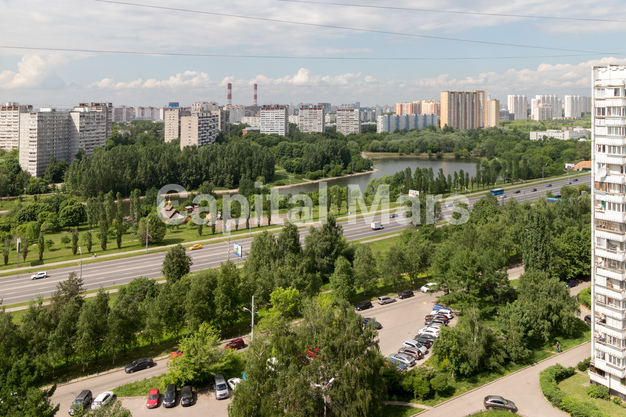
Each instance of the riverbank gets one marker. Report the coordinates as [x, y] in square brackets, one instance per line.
[356, 174]
[433, 157]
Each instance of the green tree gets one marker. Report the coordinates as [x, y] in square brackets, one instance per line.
[65, 239]
[176, 264]
[72, 215]
[227, 298]
[200, 299]
[365, 270]
[538, 243]
[70, 289]
[120, 228]
[93, 326]
[342, 280]
[394, 265]
[41, 245]
[88, 240]
[24, 247]
[6, 250]
[32, 401]
[104, 233]
[63, 339]
[285, 302]
[288, 241]
[74, 241]
[323, 245]
[156, 229]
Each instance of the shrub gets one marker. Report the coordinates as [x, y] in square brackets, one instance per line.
[580, 409]
[584, 297]
[617, 401]
[549, 379]
[583, 365]
[598, 391]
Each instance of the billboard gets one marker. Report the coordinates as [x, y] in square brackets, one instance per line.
[570, 166]
[238, 250]
[413, 193]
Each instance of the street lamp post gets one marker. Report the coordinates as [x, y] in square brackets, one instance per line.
[81, 262]
[147, 232]
[252, 314]
[324, 389]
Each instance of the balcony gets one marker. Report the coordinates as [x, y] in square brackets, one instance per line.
[614, 254]
[610, 311]
[611, 291]
[611, 158]
[603, 346]
[611, 197]
[613, 216]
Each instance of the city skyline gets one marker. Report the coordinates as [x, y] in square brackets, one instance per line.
[299, 51]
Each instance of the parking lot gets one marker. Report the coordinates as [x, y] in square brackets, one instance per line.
[206, 406]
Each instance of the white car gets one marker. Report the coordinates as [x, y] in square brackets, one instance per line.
[415, 345]
[42, 274]
[447, 313]
[385, 299]
[102, 400]
[430, 330]
[428, 287]
[403, 358]
[232, 383]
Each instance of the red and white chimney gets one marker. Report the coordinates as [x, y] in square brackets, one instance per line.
[230, 95]
[255, 102]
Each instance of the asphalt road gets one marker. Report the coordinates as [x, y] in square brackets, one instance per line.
[20, 288]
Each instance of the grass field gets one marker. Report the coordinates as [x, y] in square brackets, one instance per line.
[576, 386]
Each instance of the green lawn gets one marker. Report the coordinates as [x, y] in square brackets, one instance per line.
[493, 413]
[576, 386]
[400, 411]
[140, 388]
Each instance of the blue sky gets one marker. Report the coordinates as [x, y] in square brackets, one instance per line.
[85, 28]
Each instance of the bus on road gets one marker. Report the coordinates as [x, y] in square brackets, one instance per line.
[497, 191]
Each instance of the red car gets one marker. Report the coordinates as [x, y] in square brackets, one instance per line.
[176, 354]
[153, 398]
[313, 353]
[235, 344]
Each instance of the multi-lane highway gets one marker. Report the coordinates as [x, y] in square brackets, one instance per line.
[16, 289]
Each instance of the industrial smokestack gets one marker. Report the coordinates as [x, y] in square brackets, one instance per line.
[230, 95]
[255, 102]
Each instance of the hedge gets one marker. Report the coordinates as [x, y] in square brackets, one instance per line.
[584, 297]
[549, 379]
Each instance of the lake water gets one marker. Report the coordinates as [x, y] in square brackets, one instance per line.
[390, 166]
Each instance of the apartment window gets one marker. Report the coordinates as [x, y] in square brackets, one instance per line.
[615, 361]
[600, 93]
[617, 92]
[600, 111]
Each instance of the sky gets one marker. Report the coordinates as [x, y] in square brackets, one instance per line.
[148, 53]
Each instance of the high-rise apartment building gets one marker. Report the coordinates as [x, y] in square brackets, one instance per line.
[493, 113]
[348, 121]
[464, 109]
[546, 107]
[518, 106]
[608, 229]
[311, 119]
[171, 117]
[106, 109]
[408, 108]
[147, 113]
[430, 107]
[576, 106]
[199, 129]
[223, 116]
[274, 120]
[88, 131]
[123, 114]
[10, 125]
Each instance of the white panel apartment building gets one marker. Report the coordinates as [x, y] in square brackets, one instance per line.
[274, 120]
[608, 232]
[518, 106]
[546, 107]
[575, 106]
[199, 129]
[171, 117]
[348, 121]
[10, 125]
[311, 119]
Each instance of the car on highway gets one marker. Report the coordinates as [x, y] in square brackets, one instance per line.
[428, 287]
[186, 396]
[176, 354]
[517, 191]
[405, 294]
[370, 321]
[496, 402]
[571, 283]
[235, 344]
[411, 351]
[195, 247]
[232, 383]
[403, 358]
[503, 195]
[221, 389]
[153, 398]
[534, 189]
[169, 399]
[549, 185]
[385, 299]
[103, 399]
[569, 183]
[393, 215]
[139, 364]
[38, 275]
[575, 180]
[363, 305]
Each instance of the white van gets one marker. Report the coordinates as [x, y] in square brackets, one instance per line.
[221, 389]
[377, 226]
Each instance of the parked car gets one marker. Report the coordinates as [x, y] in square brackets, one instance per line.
[587, 319]
[436, 325]
[81, 402]
[429, 330]
[534, 189]
[385, 299]
[425, 340]
[38, 275]
[443, 312]
[153, 398]
[232, 383]
[571, 283]
[411, 351]
[399, 365]
[495, 402]
[221, 389]
[176, 354]
[235, 344]
[195, 247]
[438, 307]
[428, 287]
[363, 305]
[103, 399]
[186, 396]
[517, 191]
[415, 345]
[405, 359]
[169, 399]
[138, 365]
[368, 321]
[405, 294]
[435, 317]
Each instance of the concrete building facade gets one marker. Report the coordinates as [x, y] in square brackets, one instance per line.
[576, 106]
[199, 129]
[106, 109]
[123, 114]
[10, 124]
[608, 229]
[274, 120]
[431, 107]
[171, 117]
[312, 119]
[464, 109]
[518, 106]
[546, 107]
[389, 123]
[348, 121]
[408, 108]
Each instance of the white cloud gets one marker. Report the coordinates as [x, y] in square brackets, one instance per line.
[33, 71]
